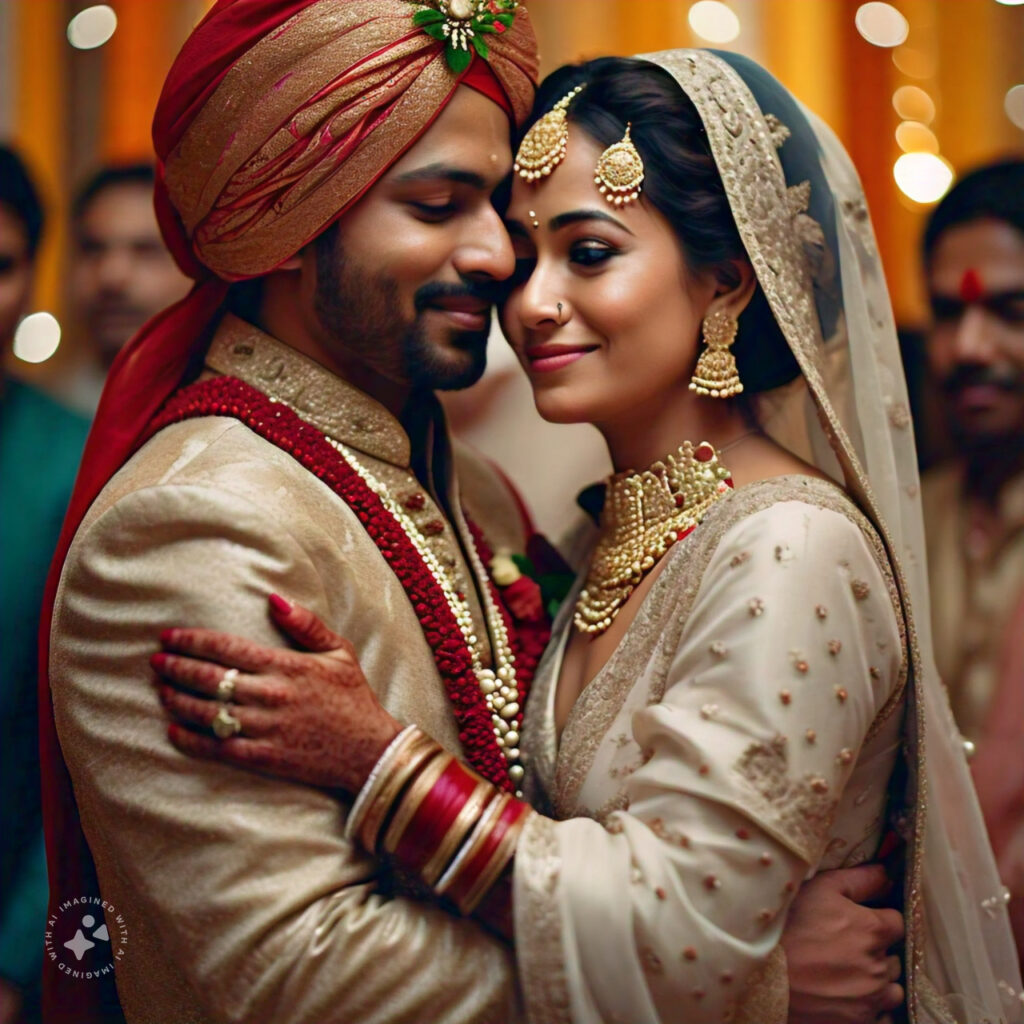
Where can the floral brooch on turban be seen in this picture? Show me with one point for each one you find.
(462, 24)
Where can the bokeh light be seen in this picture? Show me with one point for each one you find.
(923, 177)
(914, 137)
(92, 27)
(913, 104)
(37, 337)
(1013, 104)
(881, 24)
(714, 21)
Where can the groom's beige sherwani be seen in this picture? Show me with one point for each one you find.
(241, 898)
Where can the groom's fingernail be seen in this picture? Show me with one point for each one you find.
(279, 604)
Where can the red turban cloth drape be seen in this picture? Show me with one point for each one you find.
(276, 116)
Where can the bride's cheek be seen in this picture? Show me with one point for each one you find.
(510, 316)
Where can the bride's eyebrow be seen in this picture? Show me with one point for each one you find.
(575, 216)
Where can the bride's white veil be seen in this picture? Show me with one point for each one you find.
(801, 214)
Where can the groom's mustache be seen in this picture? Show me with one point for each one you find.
(484, 291)
(969, 375)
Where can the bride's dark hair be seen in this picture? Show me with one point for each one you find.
(681, 181)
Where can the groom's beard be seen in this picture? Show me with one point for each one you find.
(362, 313)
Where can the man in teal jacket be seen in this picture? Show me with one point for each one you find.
(40, 444)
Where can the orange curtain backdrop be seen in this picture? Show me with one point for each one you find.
(976, 52)
(802, 45)
(40, 130)
(975, 47)
(136, 62)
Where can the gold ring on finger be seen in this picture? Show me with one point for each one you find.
(225, 725)
(226, 686)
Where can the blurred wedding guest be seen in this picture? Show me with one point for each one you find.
(974, 262)
(40, 442)
(121, 273)
(974, 502)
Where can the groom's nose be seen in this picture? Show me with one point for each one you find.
(485, 249)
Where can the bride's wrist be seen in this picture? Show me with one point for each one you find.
(437, 819)
(371, 746)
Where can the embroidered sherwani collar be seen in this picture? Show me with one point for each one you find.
(322, 398)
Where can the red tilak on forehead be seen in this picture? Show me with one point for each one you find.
(971, 288)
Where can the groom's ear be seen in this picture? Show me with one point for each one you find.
(735, 282)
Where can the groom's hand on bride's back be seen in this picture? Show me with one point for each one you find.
(841, 968)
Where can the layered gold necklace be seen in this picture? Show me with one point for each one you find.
(644, 514)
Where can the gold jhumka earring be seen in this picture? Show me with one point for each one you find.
(716, 374)
(620, 171)
(543, 146)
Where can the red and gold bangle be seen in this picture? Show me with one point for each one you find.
(419, 789)
(433, 819)
(446, 822)
(490, 859)
(471, 847)
(387, 780)
(467, 816)
(377, 777)
(502, 858)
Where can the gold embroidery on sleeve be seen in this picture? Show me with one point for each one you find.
(801, 810)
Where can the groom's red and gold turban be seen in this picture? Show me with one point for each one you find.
(276, 116)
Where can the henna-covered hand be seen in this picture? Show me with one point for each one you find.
(308, 717)
(838, 951)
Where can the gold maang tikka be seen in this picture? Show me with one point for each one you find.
(619, 173)
(543, 146)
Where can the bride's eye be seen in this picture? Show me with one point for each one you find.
(590, 253)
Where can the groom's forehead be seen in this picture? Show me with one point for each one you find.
(468, 143)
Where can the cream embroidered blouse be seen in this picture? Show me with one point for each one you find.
(739, 739)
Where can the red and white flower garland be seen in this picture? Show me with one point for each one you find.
(282, 427)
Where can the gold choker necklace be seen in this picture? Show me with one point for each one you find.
(644, 514)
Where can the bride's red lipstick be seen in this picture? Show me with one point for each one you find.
(549, 357)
